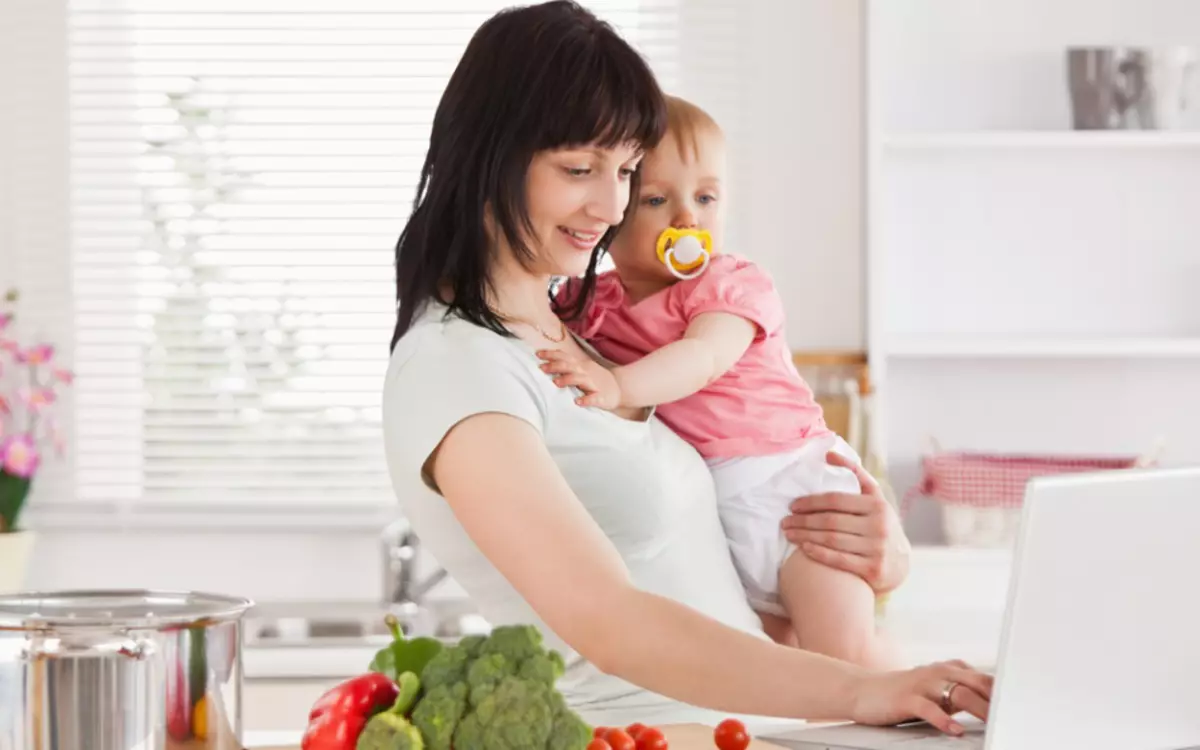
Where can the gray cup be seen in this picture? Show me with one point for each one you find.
(1129, 88)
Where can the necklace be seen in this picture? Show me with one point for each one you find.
(562, 332)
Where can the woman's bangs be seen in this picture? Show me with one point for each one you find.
(612, 100)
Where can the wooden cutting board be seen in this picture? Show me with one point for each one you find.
(679, 737)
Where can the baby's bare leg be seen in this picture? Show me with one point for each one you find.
(779, 629)
(833, 613)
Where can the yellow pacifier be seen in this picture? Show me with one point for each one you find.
(684, 251)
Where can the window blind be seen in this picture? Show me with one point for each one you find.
(240, 170)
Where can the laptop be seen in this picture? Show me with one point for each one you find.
(1100, 646)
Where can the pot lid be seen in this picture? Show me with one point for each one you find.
(117, 608)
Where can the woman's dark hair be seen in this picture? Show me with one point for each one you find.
(532, 78)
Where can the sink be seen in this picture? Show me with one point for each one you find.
(351, 625)
(331, 641)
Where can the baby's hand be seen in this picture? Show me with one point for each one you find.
(598, 384)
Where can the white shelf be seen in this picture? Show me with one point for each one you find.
(1051, 139)
(944, 347)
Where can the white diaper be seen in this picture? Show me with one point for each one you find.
(753, 496)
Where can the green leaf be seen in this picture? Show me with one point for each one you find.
(404, 655)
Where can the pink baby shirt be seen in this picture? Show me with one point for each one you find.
(761, 406)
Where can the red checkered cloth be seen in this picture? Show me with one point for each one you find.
(998, 481)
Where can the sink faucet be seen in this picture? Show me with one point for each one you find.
(400, 548)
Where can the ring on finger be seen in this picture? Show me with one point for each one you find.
(947, 695)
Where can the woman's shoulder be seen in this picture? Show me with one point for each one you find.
(445, 369)
(443, 348)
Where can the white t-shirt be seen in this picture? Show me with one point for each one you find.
(649, 491)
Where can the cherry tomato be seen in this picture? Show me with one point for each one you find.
(619, 739)
(598, 744)
(599, 732)
(651, 739)
(731, 735)
(635, 729)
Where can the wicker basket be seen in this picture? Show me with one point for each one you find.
(980, 494)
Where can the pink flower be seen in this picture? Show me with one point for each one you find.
(64, 376)
(38, 398)
(19, 456)
(5, 319)
(57, 438)
(36, 355)
(9, 346)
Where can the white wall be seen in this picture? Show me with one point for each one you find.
(793, 112)
(793, 106)
(1038, 239)
(802, 199)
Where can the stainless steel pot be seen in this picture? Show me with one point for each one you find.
(121, 670)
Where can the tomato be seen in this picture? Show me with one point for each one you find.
(635, 729)
(599, 732)
(619, 739)
(651, 739)
(598, 744)
(731, 735)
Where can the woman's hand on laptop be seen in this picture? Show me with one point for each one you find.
(860, 534)
(883, 699)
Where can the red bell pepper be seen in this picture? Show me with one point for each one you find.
(179, 707)
(338, 716)
(178, 694)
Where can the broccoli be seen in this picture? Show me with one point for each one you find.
(438, 714)
(516, 715)
(389, 730)
(545, 668)
(484, 674)
(472, 643)
(568, 732)
(447, 668)
(514, 642)
(497, 693)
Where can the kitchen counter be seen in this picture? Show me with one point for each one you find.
(951, 607)
(679, 737)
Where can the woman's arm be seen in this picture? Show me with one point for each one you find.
(712, 344)
(508, 494)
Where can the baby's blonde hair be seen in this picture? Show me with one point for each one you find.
(687, 122)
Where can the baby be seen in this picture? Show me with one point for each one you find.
(698, 333)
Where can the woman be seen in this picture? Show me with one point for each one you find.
(599, 528)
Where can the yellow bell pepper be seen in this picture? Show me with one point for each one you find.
(200, 719)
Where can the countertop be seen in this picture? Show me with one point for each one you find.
(679, 737)
(951, 607)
